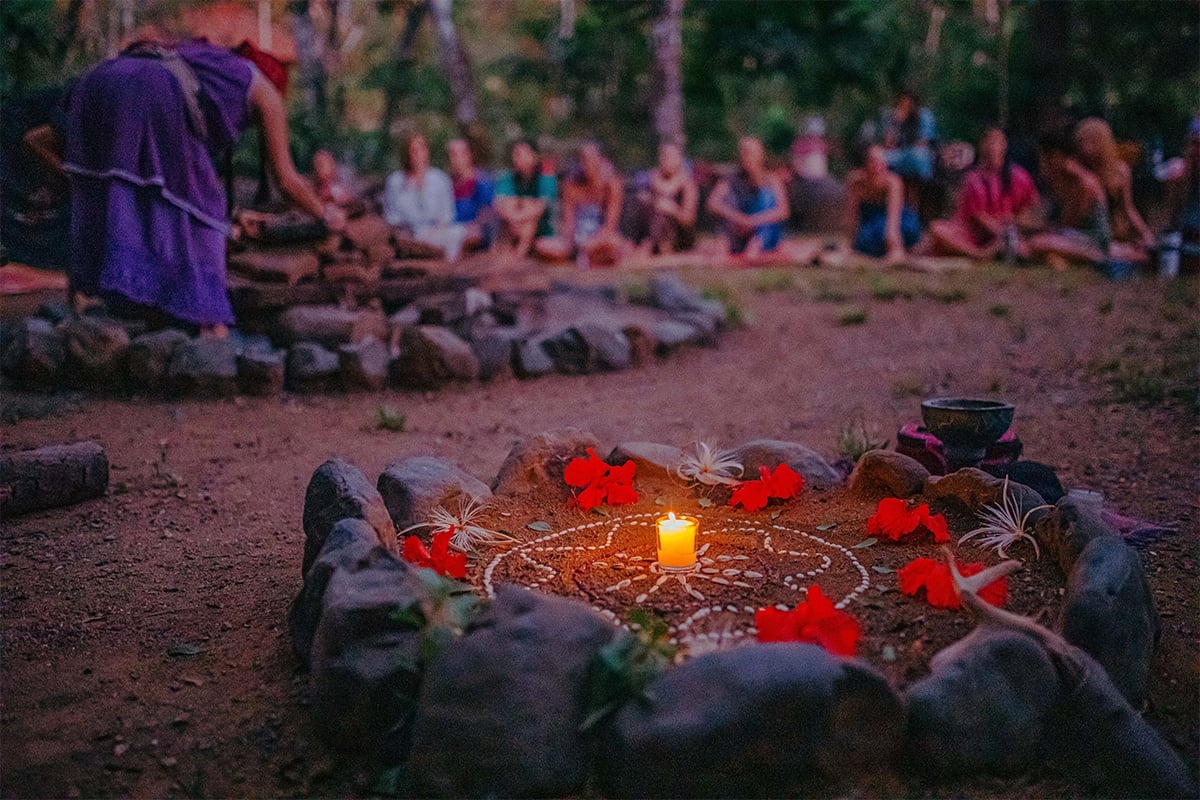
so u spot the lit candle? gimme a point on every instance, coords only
(677, 542)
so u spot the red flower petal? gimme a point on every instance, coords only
(784, 483)
(892, 519)
(816, 620)
(620, 494)
(582, 471)
(454, 565)
(914, 574)
(936, 524)
(939, 588)
(995, 592)
(590, 497)
(775, 625)
(415, 552)
(750, 495)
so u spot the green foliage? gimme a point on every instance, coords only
(390, 418)
(441, 614)
(626, 666)
(855, 316)
(855, 438)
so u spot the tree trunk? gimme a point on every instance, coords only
(667, 40)
(456, 66)
(311, 67)
(394, 88)
(1051, 29)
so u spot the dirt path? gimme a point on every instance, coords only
(197, 548)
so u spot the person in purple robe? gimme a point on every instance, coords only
(148, 225)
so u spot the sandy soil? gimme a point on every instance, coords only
(197, 548)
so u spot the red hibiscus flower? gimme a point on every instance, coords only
(893, 519)
(601, 482)
(438, 556)
(939, 583)
(815, 620)
(784, 483)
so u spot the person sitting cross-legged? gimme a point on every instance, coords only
(880, 224)
(752, 205)
(525, 199)
(473, 197)
(418, 201)
(668, 205)
(592, 200)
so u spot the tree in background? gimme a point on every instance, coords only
(666, 34)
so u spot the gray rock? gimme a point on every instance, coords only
(607, 345)
(413, 487)
(886, 473)
(1109, 613)
(366, 661)
(448, 308)
(310, 368)
(650, 457)
(642, 345)
(406, 317)
(260, 373)
(770, 453)
(669, 335)
(431, 357)
(96, 350)
(149, 357)
(532, 360)
(759, 721)
(500, 709)
(364, 365)
(51, 476)
(706, 327)
(670, 293)
(204, 366)
(539, 461)
(985, 708)
(495, 352)
(972, 489)
(329, 326)
(351, 544)
(336, 491)
(568, 351)
(56, 310)
(37, 353)
(1068, 528)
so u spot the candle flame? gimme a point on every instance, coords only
(671, 514)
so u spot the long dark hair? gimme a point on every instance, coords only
(1006, 167)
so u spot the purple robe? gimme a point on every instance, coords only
(147, 207)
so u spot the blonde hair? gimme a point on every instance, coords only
(1110, 169)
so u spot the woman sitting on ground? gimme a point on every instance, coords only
(993, 198)
(525, 196)
(752, 205)
(1078, 214)
(879, 222)
(592, 201)
(1097, 150)
(473, 196)
(418, 201)
(669, 207)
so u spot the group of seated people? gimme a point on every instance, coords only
(527, 211)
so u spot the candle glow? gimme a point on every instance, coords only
(677, 541)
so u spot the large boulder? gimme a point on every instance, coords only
(886, 473)
(431, 357)
(986, 707)
(1069, 528)
(311, 368)
(1110, 614)
(495, 350)
(500, 709)
(670, 293)
(37, 353)
(761, 721)
(607, 346)
(204, 366)
(770, 453)
(336, 491)
(149, 357)
(96, 350)
(973, 489)
(531, 358)
(539, 461)
(260, 372)
(364, 365)
(413, 487)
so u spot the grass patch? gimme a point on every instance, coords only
(637, 293)
(774, 280)
(999, 310)
(389, 418)
(855, 316)
(946, 295)
(826, 292)
(736, 313)
(884, 290)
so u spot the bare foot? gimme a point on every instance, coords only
(218, 331)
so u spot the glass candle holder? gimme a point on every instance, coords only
(676, 536)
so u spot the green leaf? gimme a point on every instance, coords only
(538, 526)
(184, 650)
(866, 543)
(828, 526)
(410, 616)
(705, 502)
(882, 570)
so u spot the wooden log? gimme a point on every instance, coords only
(51, 476)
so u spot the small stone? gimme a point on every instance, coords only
(886, 473)
(413, 487)
(310, 368)
(973, 490)
(532, 360)
(730, 717)
(669, 335)
(205, 367)
(149, 357)
(706, 326)
(539, 461)
(770, 453)
(260, 373)
(430, 357)
(96, 350)
(364, 365)
(1109, 613)
(500, 710)
(649, 456)
(336, 491)
(495, 351)
(569, 352)
(56, 310)
(608, 347)
(670, 293)
(329, 326)
(37, 354)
